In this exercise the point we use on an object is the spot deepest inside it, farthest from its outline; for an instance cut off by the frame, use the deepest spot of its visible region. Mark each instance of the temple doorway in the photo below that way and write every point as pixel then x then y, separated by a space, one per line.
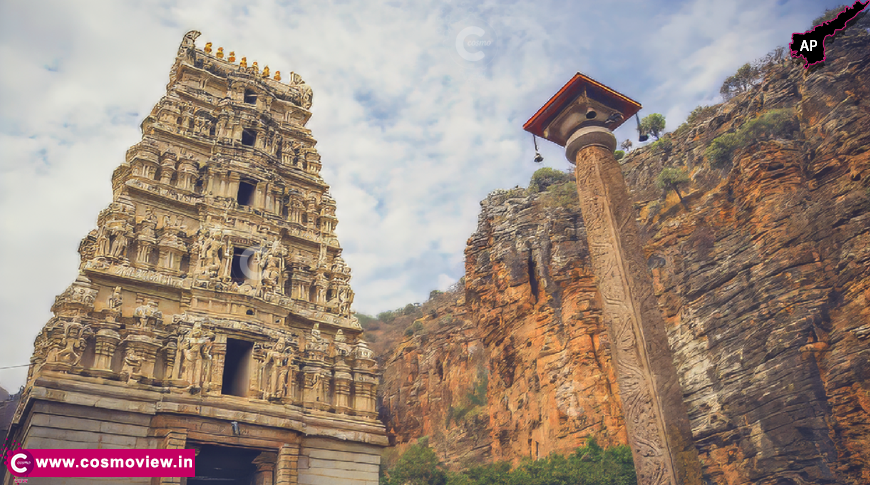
pixel 224 465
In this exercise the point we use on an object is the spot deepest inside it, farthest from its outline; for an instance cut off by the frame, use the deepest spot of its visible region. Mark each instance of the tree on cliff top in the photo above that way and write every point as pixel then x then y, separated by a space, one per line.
pixel 653 124
pixel 745 77
pixel 669 179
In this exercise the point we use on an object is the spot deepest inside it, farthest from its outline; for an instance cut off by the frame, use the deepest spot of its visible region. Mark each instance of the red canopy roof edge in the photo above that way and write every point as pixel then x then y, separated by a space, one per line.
pixel 595 90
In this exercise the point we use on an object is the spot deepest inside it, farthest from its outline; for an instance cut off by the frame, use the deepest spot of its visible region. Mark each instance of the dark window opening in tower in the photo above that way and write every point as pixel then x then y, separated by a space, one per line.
pixel 250 97
pixel 236 367
pixel 246 193
pixel 249 137
pixel 240 266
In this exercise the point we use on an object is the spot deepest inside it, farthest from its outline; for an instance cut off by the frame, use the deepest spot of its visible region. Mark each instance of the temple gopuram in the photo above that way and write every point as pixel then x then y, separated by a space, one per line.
pixel 212 309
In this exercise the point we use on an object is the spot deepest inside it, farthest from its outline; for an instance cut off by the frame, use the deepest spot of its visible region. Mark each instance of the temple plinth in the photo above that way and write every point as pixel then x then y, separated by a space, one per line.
pixel 581 117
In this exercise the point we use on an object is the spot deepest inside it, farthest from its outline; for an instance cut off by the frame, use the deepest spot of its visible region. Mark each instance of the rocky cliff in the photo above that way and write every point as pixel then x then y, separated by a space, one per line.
pixel 762 273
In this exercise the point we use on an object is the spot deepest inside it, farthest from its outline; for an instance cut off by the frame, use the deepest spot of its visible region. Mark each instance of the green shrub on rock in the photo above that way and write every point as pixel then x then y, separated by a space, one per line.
pixel 545 177
pixel 778 123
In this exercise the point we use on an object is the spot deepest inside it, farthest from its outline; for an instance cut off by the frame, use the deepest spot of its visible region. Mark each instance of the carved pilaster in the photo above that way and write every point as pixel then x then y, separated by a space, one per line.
pixel 287 469
pixel 655 416
pixel 343 381
pixel 265 463
pixel 106 341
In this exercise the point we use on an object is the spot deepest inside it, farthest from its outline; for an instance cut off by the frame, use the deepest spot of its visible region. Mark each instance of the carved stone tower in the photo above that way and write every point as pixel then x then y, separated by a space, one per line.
pixel 212 309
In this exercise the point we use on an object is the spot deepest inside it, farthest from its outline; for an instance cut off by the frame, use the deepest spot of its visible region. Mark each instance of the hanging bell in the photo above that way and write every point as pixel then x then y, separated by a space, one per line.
pixel 643 136
pixel 538 157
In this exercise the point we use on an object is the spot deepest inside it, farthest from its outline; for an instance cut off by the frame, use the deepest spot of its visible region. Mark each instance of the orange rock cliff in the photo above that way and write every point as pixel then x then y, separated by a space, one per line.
pixel 762 274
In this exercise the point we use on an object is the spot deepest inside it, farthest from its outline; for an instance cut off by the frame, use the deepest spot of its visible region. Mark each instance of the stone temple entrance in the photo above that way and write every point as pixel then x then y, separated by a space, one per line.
pixel 224 465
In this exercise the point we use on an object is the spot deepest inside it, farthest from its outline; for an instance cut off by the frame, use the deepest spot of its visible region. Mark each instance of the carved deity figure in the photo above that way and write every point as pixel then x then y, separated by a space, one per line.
pixel 148 314
pixel 132 364
pixel 113 304
pixel 210 254
pixel 345 298
pixel 196 351
pixel 278 357
pixel 103 247
pixel 120 241
pixel 320 283
pixel 73 342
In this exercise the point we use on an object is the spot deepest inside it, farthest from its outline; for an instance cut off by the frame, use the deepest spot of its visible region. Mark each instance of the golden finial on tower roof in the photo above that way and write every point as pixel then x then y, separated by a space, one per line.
pixel 255 66
pixel 277 75
pixel 266 71
pixel 207 48
pixel 243 62
pixel 220 53
pixel 232 57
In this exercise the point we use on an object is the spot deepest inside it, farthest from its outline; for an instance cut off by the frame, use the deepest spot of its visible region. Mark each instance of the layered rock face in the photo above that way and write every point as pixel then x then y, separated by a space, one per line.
pixel 518 366
pixel 762 275
pixel 764 280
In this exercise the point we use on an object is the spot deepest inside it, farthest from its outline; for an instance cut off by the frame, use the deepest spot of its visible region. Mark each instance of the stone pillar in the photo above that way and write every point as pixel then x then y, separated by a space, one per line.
pixel 287 472
pixel 174 440
pixel 106 341
pixel 655 415
pixel 265 464
pixel 218 359
pixel 343 380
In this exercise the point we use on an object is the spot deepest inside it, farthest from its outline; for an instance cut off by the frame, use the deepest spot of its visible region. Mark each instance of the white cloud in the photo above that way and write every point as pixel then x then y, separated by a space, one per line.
pixel 411 136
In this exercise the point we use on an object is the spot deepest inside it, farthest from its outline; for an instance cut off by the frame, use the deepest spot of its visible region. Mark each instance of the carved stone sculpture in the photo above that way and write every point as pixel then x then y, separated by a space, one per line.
pixel 277 358
pixel 148 315
pixel 73 343
pixel 196 351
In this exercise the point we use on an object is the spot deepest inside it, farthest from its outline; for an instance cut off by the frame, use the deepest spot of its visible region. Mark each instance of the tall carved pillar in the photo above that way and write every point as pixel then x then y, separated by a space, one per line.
pixel 580 118
pixel 655 415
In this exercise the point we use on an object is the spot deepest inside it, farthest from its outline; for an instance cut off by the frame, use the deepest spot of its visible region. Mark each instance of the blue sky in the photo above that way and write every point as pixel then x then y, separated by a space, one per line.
pixel 413 132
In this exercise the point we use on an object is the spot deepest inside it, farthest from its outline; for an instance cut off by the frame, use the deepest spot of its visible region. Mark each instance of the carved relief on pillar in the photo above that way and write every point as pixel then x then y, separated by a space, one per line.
pixel 655 415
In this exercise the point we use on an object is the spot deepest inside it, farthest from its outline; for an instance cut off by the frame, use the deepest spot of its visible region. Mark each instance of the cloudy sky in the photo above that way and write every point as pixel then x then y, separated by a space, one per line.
pixel 415 126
